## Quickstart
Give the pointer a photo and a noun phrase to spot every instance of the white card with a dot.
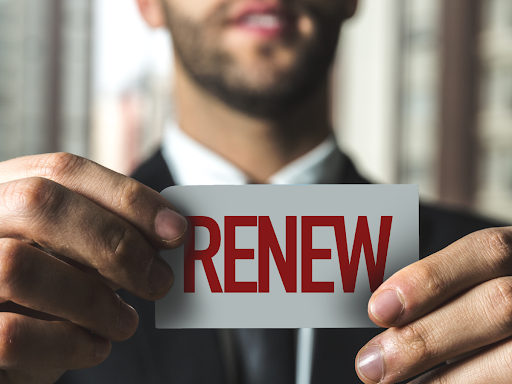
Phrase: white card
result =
(286, 256)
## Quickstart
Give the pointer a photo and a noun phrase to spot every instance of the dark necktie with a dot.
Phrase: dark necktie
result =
(264, 356)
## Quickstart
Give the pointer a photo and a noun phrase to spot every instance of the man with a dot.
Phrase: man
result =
(251, 87)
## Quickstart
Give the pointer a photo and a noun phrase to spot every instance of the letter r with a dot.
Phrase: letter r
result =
(206, 255)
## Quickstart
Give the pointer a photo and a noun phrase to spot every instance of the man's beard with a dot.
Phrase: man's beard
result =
(279, 91)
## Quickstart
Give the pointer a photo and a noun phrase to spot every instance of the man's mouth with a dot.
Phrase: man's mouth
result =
(263, 20)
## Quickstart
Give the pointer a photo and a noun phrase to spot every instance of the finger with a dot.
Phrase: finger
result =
(42, 211)
(141, 206)
(477, 318)
(491, 366)
(27, 343)
(35, 280)
(423, 286)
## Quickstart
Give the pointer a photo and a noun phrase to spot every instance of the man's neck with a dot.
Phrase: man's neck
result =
(258, 147)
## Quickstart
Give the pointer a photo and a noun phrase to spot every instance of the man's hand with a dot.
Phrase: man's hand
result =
(455, 305)
(71, 233)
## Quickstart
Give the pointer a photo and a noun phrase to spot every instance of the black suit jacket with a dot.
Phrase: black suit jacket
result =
(198, 356)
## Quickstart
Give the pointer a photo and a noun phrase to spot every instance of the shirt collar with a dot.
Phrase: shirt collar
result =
(191, 163)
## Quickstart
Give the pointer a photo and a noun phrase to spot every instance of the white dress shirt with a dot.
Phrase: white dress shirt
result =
(191, 163)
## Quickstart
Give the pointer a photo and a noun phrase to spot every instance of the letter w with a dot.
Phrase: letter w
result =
(362, 240)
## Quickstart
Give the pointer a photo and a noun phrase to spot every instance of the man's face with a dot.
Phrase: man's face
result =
(259, 56)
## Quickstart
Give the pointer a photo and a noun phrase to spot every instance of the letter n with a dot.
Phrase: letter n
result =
(267, 241)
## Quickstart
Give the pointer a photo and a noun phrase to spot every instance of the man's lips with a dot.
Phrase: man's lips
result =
(262, 19)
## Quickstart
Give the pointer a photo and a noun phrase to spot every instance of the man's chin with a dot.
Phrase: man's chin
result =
(260, 81)
(261, 63)
(269, 102)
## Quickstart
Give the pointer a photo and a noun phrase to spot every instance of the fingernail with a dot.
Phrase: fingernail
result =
(102, 348)
(160, 276)
(370, 364)
(387, 306)
(170, 225)
(128, 318)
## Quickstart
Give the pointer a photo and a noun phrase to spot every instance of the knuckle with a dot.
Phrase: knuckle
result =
(34, 197)
(499, 243)
(129, 194)
(428, 278)
(500, 297)
(122, 243)
(9, 340)
(72, 348)
(417, 346)
(56, 166)
(75, 350)
(12, 267)
(100, 303)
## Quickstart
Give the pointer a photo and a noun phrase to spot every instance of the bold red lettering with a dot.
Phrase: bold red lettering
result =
(362, 240)
(231, 254)
(267, 241)
(192, 254)
(308, 254)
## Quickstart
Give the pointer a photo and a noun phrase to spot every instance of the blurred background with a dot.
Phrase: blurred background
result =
(422, 90)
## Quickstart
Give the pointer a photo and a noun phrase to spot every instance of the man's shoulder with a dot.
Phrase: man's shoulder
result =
(441, 225)
(154, 173)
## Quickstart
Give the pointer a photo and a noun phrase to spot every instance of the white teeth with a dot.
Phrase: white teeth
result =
(263, 21)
